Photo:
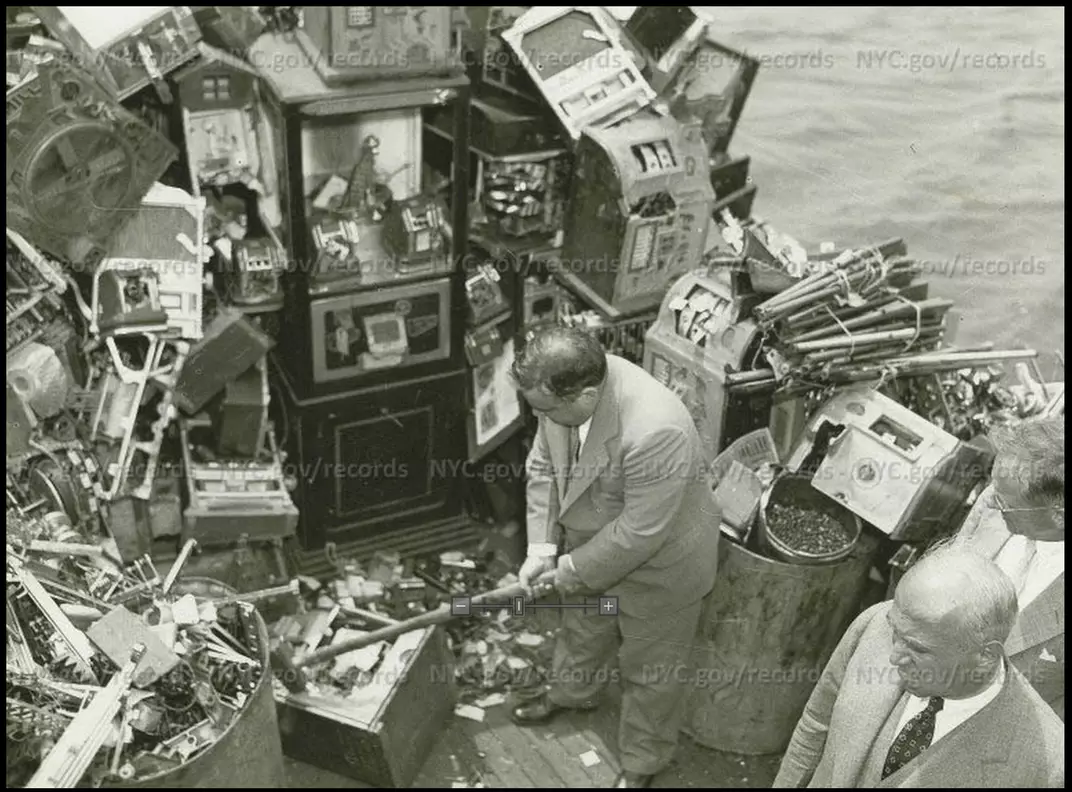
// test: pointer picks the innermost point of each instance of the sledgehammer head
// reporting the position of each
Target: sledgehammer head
(283, 666)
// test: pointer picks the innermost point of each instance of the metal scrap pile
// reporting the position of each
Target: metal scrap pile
(968, 402)
(522, 197)
(113, 316)
(495, 652)
(113, 672)
(861, 316)
(96, 379)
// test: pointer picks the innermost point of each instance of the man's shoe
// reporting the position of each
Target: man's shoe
(629, 780)
(540, 710)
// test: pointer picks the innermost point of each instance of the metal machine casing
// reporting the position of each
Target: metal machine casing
(126, 51)
(701, 335)
(694, 75)
(582, 63)
(888, 465)
(349, 43)
(640, 203)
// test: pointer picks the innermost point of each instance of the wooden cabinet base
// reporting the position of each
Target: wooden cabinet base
(382, 735)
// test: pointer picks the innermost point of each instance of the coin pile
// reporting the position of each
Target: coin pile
(807, 531)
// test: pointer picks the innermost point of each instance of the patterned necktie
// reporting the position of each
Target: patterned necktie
(914, 738)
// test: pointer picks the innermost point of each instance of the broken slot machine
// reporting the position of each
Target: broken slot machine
(599, 84)
(641, 205)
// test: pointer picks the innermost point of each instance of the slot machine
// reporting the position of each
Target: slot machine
(369, 379)
(640, 207)
(701, 335)
(889, 466)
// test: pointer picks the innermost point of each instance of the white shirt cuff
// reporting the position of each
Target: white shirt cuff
(543, 550)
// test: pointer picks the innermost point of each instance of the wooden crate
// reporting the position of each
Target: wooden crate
(383, 736)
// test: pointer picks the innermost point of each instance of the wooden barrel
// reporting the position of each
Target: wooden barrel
(766, 634)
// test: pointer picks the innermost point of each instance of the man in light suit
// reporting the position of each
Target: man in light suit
(615, 472)
(919, 692)
(1019, 521)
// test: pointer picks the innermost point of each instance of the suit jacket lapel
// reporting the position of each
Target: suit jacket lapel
(1041, 620)
(883, 693)
(947, 762)
(605, 426)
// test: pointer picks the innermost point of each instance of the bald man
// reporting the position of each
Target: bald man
(919, 692)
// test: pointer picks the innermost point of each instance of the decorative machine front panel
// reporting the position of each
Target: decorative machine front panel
(580, 59)
(888, 465)
(640, 206)
(350, 43)
(368, 331)
(700, 336)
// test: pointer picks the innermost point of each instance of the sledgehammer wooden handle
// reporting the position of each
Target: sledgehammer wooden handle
(439, 616)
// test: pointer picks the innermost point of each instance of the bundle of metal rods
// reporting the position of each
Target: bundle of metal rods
(919, 365)
(863, 308)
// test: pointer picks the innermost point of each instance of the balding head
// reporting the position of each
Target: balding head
(952, 613)
(560, 360)
(560, 371)
(963, 590)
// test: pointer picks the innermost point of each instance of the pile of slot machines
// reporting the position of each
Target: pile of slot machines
(659, 232)
(615, 132)
(136, 401)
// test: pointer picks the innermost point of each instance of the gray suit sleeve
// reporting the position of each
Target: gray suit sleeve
(541, 492)
(809, 738)
(657, 473)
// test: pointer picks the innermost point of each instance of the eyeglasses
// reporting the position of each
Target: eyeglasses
(998, 503)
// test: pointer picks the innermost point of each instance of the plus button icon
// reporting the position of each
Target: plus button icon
(608, 606)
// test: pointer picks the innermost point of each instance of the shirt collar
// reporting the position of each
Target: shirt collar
(969, 706)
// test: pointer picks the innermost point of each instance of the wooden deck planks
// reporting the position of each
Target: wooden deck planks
(575, 733)
(541, 770)
(568, 766)
(500, 754)
(502, 767)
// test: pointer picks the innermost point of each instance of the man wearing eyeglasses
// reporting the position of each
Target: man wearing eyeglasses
(1019, 522)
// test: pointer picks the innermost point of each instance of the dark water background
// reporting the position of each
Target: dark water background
(947, 143)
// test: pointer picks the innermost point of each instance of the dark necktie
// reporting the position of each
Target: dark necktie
(914, 738)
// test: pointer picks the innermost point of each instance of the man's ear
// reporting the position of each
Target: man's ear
(993, 652)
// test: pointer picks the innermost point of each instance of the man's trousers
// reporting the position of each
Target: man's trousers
(655, 668)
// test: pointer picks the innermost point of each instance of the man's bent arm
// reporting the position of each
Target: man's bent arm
(656, 475)
(541, 497)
